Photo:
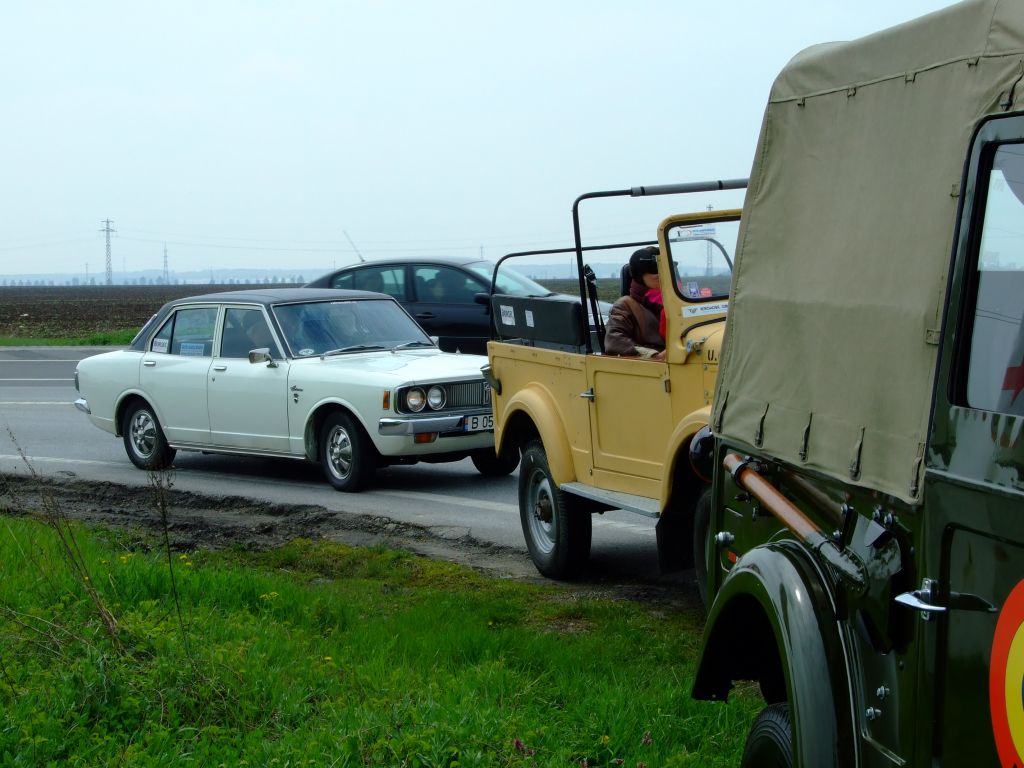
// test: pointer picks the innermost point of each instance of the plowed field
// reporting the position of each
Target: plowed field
(55, 312)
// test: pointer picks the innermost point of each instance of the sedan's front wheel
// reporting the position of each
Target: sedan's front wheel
(346, 453)
(144, 440)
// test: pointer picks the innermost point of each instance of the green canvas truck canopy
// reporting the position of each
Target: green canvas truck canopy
(847, 237)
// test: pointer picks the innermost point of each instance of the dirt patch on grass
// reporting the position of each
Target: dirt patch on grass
(200, 522)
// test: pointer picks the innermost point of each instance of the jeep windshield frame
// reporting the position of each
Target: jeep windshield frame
(591, 310)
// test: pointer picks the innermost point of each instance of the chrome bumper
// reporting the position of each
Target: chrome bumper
(420, 424)
(83, 405)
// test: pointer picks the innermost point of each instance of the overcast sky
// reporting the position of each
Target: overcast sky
(242, 133)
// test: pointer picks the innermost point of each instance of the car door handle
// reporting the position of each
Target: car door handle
(425, 316)
(149, 363)
(220, 367)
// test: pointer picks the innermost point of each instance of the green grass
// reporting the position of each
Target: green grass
(111, 338)
(322, 654)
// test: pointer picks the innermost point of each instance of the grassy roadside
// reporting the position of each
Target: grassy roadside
(109, 338)
(113, 652)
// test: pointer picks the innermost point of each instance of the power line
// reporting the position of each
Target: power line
(110, 269)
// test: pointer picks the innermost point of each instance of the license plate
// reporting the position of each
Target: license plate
(478, 423)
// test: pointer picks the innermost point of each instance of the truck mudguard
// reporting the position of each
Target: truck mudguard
(774, 620)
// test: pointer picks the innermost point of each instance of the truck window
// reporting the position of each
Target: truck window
(995, 371)
(701, 258)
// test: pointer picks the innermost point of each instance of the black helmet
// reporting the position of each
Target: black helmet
(644, 262)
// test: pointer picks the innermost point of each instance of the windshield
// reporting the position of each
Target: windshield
(702, 257)
(316, 328)
(509, 282)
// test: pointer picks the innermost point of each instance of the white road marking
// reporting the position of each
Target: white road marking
(644, 529)
(35, 402)
(52, 460)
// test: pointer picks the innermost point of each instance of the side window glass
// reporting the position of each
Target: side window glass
(995, 373)
(188, 333)
(344, 280)
(389, 280)
(442, 285)
(702, 257)
(162, 341)
(245, 330)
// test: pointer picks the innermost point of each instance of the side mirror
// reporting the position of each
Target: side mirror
(262, 355)
(483, 298)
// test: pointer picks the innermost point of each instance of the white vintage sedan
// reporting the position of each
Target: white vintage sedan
(344, 378)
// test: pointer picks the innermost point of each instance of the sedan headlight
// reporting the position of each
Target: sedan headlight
(436, 397)
(415, 400)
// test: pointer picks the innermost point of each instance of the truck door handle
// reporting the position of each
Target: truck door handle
(588, 395)
(924, 600)
(220, 367)
(149, 363)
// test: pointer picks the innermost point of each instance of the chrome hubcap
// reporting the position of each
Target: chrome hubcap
(339, 453)
(143, 431)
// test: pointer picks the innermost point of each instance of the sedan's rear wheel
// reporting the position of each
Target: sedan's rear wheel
(144, 440)
(346, 453)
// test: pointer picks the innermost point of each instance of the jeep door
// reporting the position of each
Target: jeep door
(630, 422)
(973, 644)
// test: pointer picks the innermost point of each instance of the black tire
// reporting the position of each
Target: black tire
(557, 532)
(347, 456)
(144, 440)
(492, 464)
(770, 741)
(701, 520)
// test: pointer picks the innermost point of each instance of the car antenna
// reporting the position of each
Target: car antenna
(353, 245)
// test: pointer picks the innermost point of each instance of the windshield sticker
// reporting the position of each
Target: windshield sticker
(160, 345)
(1006, 679)
(508, 315)
(529, 318)
(192, 348)
(706, 309)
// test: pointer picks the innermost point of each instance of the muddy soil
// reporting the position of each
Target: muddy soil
(198, 522)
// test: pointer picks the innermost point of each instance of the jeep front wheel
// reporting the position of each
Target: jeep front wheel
(557, 533)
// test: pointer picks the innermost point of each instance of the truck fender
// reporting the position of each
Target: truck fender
(774, 620)
(536, 405)
(677, 448)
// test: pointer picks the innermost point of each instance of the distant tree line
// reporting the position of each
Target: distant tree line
(74, 281)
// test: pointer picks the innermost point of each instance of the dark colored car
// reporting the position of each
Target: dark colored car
(440, 292)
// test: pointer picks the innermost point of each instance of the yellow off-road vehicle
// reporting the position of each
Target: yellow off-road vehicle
(600, 432)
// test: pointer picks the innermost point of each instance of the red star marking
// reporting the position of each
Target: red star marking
(1014, 381)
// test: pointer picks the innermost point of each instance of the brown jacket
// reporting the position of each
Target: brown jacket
(632, 330)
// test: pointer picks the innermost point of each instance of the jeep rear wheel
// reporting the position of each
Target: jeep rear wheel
(557, 533)
(770, 742)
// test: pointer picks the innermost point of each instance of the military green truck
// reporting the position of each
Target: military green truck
(865, 549)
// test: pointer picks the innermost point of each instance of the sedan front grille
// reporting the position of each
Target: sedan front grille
(459, 396)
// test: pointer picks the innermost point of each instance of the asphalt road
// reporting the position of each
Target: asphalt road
(39, 426)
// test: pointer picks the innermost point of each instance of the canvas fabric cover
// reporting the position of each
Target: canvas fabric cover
(847, 237)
